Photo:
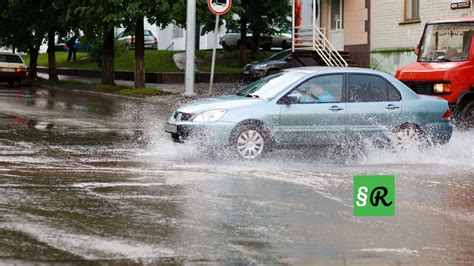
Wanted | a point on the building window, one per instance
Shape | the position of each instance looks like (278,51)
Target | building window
(411,11)
(177,31)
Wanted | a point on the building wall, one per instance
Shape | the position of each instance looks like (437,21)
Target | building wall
(357,30)
(392,42)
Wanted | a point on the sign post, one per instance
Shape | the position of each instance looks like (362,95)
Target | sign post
(218,7)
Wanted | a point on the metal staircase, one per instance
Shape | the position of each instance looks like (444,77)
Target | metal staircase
(313,38)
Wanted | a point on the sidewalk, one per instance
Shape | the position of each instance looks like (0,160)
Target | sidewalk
(201,89)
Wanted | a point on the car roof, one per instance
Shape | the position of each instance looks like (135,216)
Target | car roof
(332,70)
(456,20)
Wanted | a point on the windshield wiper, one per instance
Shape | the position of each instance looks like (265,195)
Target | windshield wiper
(443,60)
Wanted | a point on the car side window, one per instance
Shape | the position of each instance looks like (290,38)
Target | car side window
(323,89)
(371,88)
(393,93)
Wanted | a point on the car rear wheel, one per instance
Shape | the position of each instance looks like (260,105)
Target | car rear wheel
(251,142)
(407,137)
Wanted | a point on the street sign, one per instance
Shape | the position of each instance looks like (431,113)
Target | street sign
(219,7)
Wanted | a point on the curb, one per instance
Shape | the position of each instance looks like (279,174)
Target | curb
(161,77)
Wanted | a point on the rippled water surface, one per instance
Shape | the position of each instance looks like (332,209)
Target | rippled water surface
(89,177)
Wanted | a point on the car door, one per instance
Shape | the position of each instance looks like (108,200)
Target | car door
(313,113)
(374,106)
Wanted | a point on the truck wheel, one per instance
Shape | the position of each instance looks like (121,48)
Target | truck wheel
(468,114)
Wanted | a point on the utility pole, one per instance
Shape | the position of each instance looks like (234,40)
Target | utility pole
(190,48)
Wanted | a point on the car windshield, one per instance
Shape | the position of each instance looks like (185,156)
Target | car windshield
(448,42)
(270,86)
(280,55)
(6,58)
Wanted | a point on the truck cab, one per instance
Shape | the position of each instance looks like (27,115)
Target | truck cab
(445,65)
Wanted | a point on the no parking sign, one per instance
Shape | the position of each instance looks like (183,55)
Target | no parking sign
(219,7)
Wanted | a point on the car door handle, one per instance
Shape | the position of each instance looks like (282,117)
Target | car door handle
(336,108)
(392,107)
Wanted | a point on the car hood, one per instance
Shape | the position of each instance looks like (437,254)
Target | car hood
(220,102)
(427,71)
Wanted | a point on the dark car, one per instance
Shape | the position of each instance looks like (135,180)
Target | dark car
(279,61)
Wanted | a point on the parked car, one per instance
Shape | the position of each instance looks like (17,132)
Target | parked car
(313,106)
(127,38)
(81,47)
(12,68)
(282,60)
(231,40)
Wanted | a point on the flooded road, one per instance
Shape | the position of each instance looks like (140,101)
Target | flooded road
(88,177)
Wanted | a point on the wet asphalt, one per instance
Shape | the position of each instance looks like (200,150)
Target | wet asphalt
(91,178)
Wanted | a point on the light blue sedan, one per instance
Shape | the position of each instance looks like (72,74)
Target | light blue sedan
(313,106)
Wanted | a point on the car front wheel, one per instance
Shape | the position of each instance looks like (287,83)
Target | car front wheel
(251,142)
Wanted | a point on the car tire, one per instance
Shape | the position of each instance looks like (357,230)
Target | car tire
(251,141)
(407,137)
(467,115)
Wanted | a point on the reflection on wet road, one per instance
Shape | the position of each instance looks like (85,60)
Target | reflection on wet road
(89,177)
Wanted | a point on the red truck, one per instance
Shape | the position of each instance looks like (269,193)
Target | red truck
(445,66)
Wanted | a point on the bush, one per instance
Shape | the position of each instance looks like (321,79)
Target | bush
(95,52)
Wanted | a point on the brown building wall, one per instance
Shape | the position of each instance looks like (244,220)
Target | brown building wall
(357,30)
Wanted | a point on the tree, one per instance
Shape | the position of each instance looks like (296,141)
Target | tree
(97,20)
(156,11)
(22,29)
(250,14)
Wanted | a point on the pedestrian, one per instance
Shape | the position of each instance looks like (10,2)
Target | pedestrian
(71,44)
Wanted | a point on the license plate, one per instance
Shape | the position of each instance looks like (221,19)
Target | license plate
(170,128)
(246,72)
(7,69)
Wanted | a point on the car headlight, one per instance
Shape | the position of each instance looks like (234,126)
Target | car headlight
(212,115)
(442,88)
(257,67)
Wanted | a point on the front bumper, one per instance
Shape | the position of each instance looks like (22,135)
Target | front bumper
(214,133)
(12,76)
(439,133)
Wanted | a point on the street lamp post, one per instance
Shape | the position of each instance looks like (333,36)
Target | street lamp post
(190,49)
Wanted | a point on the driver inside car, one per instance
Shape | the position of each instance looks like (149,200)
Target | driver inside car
(316,94)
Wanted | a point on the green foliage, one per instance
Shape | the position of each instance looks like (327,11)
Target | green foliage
(95,52)
(130,91)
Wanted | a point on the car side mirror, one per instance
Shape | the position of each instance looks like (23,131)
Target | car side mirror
(416,50)
(289,99)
